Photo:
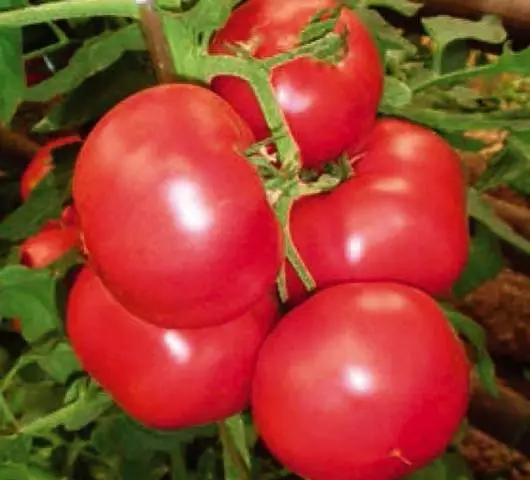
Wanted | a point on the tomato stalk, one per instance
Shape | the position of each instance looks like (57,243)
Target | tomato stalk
(68,9)
(178,463)
(243,472)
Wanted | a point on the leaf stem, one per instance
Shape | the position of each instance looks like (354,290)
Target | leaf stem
(67,9)
(7,411)
(259,81)
(458,75)
(178,463)
(58,417)
(228,443)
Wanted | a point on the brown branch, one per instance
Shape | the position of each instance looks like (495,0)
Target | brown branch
(153,30)
(17,143)
(506,418)
(515,215)
(515,13)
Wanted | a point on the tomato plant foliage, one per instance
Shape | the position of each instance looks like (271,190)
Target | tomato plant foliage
(61,403)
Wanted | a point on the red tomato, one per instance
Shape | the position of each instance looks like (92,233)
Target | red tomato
(362,382)
(402,217)
(166,378)
(48,246)
(175,219)
(41,164)
(327,107)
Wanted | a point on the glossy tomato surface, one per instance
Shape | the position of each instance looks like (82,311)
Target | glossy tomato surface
(42,163)
(361,382)
(175,219)
(165,378)
(402,217)
(49,245)
(328,107)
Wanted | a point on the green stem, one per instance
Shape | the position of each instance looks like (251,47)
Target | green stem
(4,407)
(259,80)
(60,416)
(178,463)
(458,75)
(283,210)
(66,9)
(47,50)
(243,473)
(8,379)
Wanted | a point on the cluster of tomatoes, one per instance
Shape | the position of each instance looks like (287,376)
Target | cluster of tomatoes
(176,314)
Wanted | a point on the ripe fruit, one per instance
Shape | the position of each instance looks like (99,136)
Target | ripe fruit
(328,107)
(48,246)
(175,219)
(42,163)
(402,217)
(166,378)
(361,382)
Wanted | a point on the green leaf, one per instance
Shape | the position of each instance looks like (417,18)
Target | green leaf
(513,62)
(34,400)
(15,449)
(12,79)
(460,141)
(510,167)
(235,442)
(60,363)
(119,435)
(388,37)
(475,334)
(396,93)
(445,30)
(508,62)
(24,472)
(188,35)
(95,56)
(320,25)
(484,214)
(206,17)
(126,76)
(29,295)
(43,204)
(89,405)
(512,120)
(485,262)
(452,466)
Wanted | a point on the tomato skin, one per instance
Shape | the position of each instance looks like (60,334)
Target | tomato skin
(361,382)
(172,212)
(401,218)
(42,163)
(327,107)
(47,246)
(166,378)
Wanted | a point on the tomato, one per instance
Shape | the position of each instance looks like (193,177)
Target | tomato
(402,217)
(166,378)
(327,107)
(361,382)
(175,219)
(42,163)
(48,246)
